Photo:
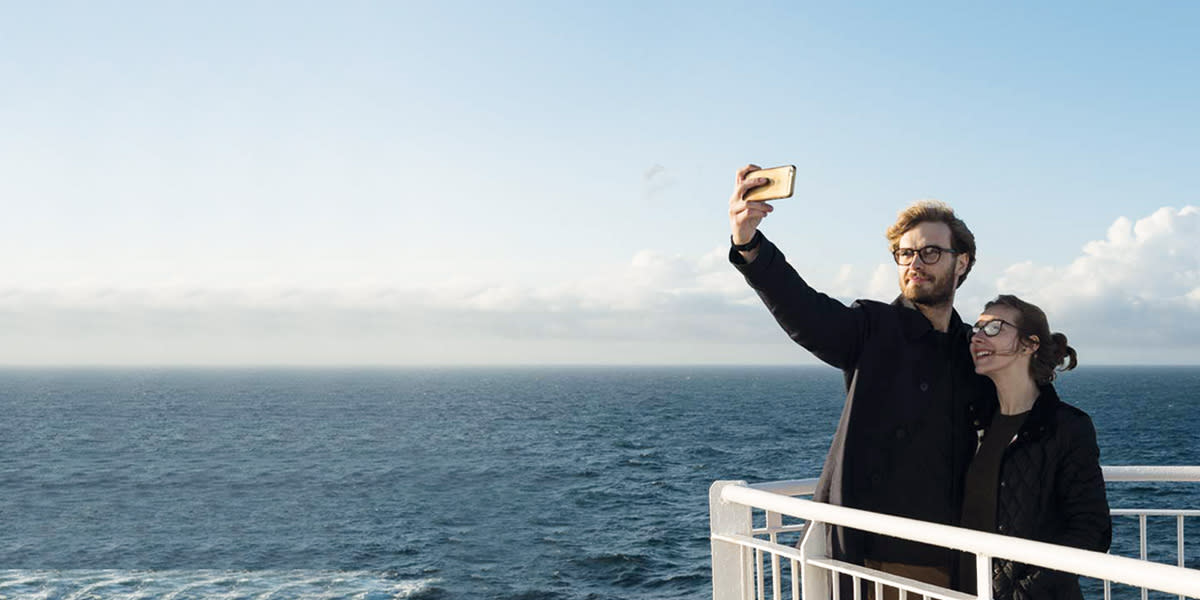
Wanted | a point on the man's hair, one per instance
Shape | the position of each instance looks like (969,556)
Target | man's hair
(934,211)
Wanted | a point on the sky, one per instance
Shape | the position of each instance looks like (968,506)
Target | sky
(547,183)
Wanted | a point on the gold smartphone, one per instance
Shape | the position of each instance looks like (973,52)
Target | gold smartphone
(782,184)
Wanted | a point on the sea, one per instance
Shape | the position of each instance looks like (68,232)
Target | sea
(482,483)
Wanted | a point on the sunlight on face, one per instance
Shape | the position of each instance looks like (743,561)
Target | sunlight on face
(1003,351)
(921,283)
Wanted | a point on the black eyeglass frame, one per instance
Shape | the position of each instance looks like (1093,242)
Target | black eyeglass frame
(976,328)
(912,253)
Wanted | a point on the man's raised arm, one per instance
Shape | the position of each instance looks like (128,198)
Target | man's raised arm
(832,331)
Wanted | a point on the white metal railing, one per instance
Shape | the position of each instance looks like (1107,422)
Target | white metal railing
(739,549)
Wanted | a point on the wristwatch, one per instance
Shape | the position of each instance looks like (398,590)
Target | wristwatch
(750,245)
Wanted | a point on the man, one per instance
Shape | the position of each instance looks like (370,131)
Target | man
(905,436)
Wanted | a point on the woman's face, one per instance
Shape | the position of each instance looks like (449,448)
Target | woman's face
(1002,351)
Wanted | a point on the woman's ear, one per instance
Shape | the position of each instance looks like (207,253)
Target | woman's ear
(1033,344)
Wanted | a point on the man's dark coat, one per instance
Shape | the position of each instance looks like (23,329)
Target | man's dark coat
(906,434)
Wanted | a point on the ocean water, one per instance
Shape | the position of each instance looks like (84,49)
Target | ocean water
(586,483)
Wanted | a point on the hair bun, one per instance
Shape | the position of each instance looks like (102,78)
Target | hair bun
(1063,353)
(1052,354)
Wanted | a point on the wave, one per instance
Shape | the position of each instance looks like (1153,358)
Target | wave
(211,584)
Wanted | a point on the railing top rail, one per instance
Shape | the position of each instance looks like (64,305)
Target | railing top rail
(1171,579)
(803,487)
(1154,512)
(1155,473)
(788,487)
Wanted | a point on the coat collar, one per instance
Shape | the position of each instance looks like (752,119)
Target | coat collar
(917,325)
(1041,417)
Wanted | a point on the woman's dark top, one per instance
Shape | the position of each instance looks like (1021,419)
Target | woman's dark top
(983,479)
(1049,489)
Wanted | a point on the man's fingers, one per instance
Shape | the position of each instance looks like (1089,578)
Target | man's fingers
(745,216)
(750,210)
(752,205)
(756,208)
(742,172)
(748,185)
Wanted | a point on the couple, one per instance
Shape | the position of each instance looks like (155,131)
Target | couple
(943,421)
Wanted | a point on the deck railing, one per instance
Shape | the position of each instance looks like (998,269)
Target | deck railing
(740,549)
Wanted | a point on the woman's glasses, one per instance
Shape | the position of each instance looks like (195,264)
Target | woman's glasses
(990,328)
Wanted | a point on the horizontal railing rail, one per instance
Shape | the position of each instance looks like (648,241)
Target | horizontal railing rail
(791,487)
(1156,473)
(1112,473)
(732,529)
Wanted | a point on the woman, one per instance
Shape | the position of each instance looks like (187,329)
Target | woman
(1036,472)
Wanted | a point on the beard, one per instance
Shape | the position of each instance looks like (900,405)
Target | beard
(941,292)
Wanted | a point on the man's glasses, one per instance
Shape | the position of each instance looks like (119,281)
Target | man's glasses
(930,255)
(990,328)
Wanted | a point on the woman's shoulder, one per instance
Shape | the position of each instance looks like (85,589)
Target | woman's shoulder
(1067,414)
(1074,420)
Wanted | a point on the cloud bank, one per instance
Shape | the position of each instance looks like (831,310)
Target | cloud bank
(1134,293)
(1131,297)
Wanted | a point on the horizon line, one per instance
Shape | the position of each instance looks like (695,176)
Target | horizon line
(469,366)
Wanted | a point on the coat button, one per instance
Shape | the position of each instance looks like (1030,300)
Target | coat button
(1003,484)
(1000,528)
(901,434)
(924,387)
(876,478)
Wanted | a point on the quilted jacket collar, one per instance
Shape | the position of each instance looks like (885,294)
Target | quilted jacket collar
(1040,421)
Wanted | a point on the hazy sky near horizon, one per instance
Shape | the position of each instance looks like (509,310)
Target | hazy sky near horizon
(391,183)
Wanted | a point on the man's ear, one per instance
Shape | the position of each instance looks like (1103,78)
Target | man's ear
(960,263)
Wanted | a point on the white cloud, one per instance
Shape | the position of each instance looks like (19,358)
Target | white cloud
(654,303)
(849,284)
(1153,260)
(1133,296)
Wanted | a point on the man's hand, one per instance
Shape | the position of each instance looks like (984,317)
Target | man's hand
(744,216)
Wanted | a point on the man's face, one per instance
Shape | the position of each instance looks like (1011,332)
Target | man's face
(934,284)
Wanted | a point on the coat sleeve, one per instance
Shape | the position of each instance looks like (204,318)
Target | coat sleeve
(1079,490)
(832,331)
(1083,506)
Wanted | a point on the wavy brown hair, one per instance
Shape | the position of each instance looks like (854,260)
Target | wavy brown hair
(934,211)
(1052,354)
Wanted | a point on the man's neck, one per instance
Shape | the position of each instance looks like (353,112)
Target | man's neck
(938,314)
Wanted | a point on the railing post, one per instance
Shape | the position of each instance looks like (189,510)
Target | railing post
(814,544)
(731,567)
(983,576)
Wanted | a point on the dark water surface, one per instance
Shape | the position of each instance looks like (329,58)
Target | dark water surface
(465,483)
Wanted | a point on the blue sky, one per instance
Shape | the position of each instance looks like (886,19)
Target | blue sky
(536,183)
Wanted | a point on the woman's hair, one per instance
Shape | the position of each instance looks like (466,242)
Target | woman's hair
(933,211)
(1052,354)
